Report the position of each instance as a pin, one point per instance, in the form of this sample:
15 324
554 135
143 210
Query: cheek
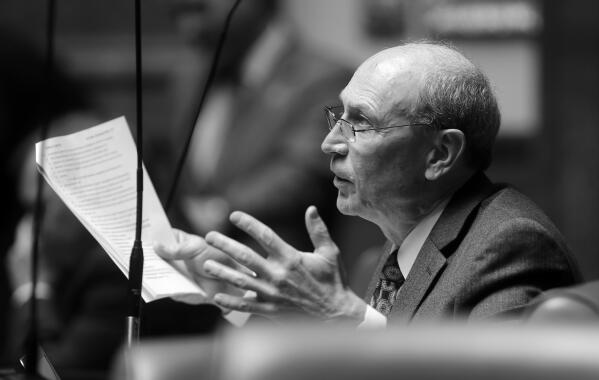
389 172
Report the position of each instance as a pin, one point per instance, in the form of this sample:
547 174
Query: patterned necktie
387 286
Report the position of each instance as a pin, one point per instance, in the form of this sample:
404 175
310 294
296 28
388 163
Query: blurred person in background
256 143
23 109
254 147
408 147
21 75
81 294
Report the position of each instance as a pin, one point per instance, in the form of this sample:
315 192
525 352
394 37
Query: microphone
136 260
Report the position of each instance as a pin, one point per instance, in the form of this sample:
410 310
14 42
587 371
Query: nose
334 142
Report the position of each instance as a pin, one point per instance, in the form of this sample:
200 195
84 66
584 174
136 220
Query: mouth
335 169
340 177
340 182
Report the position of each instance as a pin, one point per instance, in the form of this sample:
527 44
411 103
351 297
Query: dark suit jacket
489 254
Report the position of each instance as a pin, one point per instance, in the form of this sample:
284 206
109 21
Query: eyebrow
354 109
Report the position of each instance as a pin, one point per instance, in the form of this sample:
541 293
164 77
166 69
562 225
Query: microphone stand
136 260
32 341
137 257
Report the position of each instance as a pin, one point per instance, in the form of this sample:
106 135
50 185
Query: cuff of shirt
239 318
373 319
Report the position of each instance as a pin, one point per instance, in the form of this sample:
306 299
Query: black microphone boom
32 340
136 260
209 81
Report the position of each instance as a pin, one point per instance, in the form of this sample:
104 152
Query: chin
346 206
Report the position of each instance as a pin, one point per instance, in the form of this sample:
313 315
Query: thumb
319 234
186 247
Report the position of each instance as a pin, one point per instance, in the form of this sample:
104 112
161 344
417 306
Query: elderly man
408 149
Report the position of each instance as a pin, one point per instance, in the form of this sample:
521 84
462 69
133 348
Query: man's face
381 172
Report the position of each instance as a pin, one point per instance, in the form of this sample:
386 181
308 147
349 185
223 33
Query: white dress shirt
406 256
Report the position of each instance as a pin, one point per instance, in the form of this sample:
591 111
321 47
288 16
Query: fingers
191 299
319 234
238 279
260 232
187 247
239 252
248 305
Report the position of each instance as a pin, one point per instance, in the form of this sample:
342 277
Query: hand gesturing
285 279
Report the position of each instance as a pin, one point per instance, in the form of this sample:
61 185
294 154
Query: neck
397 225
398 220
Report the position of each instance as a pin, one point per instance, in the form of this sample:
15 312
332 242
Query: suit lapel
440 244
427 266
465 200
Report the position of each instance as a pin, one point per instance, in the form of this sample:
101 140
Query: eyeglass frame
329 115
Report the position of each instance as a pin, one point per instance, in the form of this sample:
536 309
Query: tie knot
391 271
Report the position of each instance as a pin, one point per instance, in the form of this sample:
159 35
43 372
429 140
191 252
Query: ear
447 148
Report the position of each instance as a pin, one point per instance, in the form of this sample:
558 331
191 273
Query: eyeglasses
333 115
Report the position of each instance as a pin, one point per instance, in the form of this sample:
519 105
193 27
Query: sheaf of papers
94 172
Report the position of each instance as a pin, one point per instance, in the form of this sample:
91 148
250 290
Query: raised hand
285 279
189 253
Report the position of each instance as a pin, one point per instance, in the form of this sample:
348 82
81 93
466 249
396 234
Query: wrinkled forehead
385 84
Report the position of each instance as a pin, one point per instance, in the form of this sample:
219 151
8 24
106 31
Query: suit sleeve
520 259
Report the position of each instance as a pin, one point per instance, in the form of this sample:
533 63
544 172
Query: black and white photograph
299 189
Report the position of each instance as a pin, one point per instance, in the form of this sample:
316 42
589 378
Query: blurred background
542 58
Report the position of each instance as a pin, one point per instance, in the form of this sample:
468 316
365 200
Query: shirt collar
411 245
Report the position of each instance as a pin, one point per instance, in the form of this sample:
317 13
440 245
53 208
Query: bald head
429 54
435 84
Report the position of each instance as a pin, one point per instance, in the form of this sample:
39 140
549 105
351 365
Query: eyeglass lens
344 126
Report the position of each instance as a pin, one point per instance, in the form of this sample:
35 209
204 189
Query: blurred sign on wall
501 36
483 19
